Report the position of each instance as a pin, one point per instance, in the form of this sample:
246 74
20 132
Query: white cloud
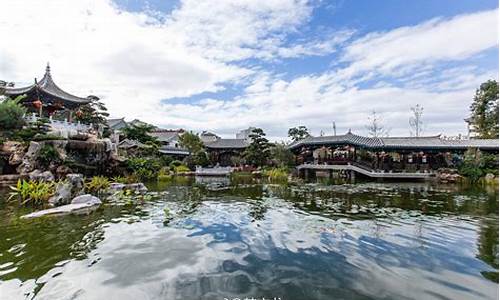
439 39
134 60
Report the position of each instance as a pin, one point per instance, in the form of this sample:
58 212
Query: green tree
477 164
93 113
191 141
257 152
12 114
298 133
484 109
141 133
281 156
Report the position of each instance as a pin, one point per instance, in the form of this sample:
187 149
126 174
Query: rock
38 175
67 190
137 187
489 176
9 179
115 186
447 175
87 198
83 204
28 163
15 151
63 170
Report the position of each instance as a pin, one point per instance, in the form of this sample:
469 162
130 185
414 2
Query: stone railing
61 128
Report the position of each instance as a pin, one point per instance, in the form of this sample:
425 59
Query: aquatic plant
97 184
32 192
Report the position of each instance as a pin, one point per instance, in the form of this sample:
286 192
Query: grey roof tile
228 144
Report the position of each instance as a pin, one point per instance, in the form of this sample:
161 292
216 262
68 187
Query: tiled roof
127 144
227 144
47 86
166 135
116 123
429 142
174 150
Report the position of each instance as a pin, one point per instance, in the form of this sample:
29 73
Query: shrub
278 175
144 168
32 192
477 164
145 174
119 179
175 163
47 155
164 174
12 114
166 160
97 184
181 169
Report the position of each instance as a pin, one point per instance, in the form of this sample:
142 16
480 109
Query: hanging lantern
37 104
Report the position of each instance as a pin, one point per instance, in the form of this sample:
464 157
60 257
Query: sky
225 65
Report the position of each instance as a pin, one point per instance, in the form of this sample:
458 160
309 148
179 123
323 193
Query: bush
145 174
477 164
136 163
166 160
175 163
181 169
97 184
278 175
47 155
125 179
12 114
164 174
32 192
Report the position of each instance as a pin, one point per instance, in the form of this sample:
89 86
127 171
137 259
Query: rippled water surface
364 241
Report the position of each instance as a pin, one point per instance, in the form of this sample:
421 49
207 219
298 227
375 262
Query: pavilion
387 154
45 98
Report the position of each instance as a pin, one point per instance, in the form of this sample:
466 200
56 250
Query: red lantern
78 113
37 104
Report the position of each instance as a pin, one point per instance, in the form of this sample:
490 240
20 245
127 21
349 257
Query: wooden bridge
365 171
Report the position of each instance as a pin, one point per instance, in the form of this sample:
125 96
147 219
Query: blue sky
226 65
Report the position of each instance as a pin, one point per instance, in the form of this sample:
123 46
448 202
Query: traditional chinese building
386 154
226 152
45 98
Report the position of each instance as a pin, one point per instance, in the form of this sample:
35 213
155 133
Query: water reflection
369 241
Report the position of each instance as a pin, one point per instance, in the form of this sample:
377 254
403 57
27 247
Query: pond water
362 241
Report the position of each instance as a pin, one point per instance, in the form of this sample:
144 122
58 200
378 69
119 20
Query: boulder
68 189
38 175
137 187
87 198
63 170
14 150
28 163
83 204
115 186
489 176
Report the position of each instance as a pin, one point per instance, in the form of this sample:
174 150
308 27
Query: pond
312 241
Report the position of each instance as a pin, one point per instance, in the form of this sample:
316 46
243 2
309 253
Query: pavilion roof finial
47 69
